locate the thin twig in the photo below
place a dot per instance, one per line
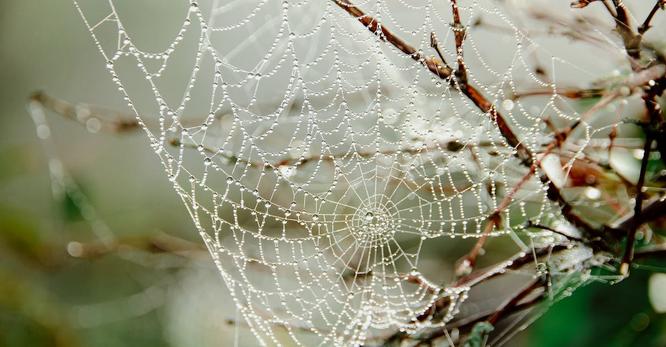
(509, 306)
(440, 69)
(82, 113)
(469, 261)
(459, 36)
(571, 93)
(609, 8)
(479, 276)
(514, 305)
(653, 211)
(482, 103)
(159, 244)
(531, 224)
(628, 256)
(434, 43)
(434, 65)
(646, 24)
(632, 42)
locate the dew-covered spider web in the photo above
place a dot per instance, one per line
(331, 175)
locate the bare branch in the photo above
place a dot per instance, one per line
(434, 43)
(571, 93)
(531, 224)
(437, 67)
(459, 35)
(485, 106)
(646, 24)
(632, 42)
(628, 256)
(440, 69)
(107, 120)
(509, 306)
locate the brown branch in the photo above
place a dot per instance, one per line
(440, 69)
(571, 93)
(646, 24)
(514, 263)
(514, 305)
(459, 36)
(159, 244)
(654, 211)
(554, 194)
(82, 113)
(609, 8)
(509, 306)
(117, 122)
(109, 120)
(531, 224)
(421, 282)
(435, 66)
(479, 276)
(653, 114)
(573, 30)
(632, 41)
(434, 43)
(487, 107)
(581, 3)
(467, 263)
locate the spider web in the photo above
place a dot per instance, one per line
(327, 160)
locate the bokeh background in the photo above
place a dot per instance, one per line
(157, 286)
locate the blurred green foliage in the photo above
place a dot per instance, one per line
(603, 315)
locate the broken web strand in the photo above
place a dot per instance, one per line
(378, 188)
